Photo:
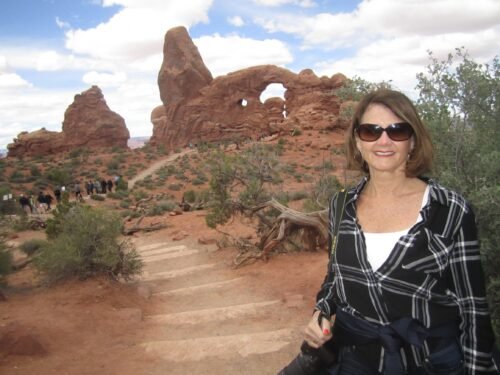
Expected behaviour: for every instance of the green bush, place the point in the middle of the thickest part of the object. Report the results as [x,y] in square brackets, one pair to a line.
[459,101]
[322,191]
[86,244]
[97,197]
[118,194]
[35,171]
[5,261]
[140,194]
[121,184]
[125,203]
[161,207]
[175,187]
[30,247]
[189,196]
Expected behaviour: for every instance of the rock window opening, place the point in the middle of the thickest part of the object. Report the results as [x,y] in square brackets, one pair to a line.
[274,90]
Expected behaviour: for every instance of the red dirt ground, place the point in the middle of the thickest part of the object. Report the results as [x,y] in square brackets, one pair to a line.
[90,327]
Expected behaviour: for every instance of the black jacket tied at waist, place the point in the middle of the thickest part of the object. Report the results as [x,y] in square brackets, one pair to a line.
[351,330]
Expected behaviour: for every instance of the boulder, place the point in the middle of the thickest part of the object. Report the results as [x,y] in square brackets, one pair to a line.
[88,123]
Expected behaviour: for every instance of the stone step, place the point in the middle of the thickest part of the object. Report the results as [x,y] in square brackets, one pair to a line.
[179,262]
[147,276]
[214,314]
[216,273]
[141,248]
[195,289]
[169,255]
[161,250]
[239,345]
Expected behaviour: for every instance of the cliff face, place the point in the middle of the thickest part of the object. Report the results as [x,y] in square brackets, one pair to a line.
[197,108]
[88,122]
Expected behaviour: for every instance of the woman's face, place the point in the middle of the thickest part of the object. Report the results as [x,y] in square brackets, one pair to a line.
[383,155]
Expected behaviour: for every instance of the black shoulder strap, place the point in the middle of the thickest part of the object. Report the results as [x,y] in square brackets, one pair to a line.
[340,204]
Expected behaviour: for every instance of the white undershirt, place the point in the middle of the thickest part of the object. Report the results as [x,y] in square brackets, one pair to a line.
[380,245]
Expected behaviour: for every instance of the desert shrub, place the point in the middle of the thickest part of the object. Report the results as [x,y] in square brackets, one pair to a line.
[41,183]
[189,196]
[125,203]
[97,197]
[17,177]
[35,171]
[356,87]
[459,101]
[198,181]
[4,190]
[322,191]
[140,194]
[175,187]
[298,195]
[5,262]
[239,181]
[118,194]
[121,184]
[32,246]
[86,244]
[59,176]
[113,166]
[161,207]
[325,166]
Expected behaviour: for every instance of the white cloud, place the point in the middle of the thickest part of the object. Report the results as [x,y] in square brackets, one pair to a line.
[375,19]
[223,55]
[236,21]
[32,57]
[137,30]
[31,109]
[134,100]
[104,79]
[62,24]
[11,81]
[277,3]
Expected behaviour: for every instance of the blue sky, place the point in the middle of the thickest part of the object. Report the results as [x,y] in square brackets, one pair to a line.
[51,50]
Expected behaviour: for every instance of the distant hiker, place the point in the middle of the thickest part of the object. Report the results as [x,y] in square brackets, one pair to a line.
[25,204]
[78,192]
[33,204]
[89,186]
[97,187]
[42,204]
[57,193]
[48,200]
[104,185]
[110,185]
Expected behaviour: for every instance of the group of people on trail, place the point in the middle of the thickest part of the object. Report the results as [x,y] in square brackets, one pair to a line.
[39,205]
[43,201]
[99,187]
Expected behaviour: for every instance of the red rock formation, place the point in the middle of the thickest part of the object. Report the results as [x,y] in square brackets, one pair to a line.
[198,109]
[88,123]
[183,74]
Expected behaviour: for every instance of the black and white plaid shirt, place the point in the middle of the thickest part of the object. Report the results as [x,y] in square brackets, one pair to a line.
[433,274]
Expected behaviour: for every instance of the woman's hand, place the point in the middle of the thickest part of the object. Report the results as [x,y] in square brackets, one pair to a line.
[316,335]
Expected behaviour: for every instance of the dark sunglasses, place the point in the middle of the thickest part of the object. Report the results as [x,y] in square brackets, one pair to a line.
[401,131]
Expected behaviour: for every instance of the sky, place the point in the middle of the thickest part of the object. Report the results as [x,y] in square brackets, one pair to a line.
[51,50]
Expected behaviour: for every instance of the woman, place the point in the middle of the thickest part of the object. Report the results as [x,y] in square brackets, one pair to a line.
[405,285]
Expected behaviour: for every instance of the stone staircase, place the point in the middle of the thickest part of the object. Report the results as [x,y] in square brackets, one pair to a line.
[212,320]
